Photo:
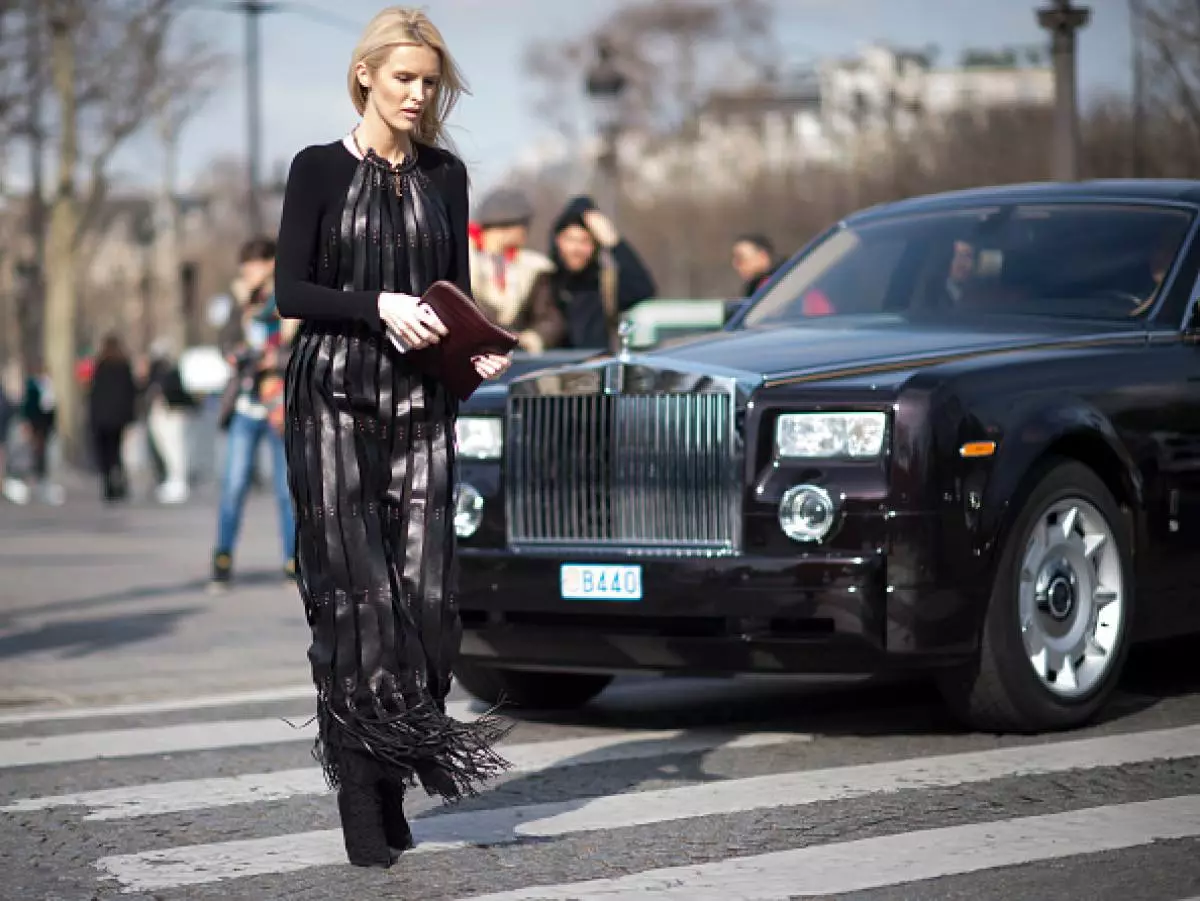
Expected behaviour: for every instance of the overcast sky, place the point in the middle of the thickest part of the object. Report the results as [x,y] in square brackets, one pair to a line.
[305,60]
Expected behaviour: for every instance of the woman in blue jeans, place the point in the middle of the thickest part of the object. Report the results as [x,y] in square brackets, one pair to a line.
[258,355]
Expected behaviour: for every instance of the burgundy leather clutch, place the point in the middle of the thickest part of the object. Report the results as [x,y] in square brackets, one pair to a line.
[470,333]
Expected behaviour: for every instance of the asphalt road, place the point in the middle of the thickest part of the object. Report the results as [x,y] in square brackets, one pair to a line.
[154,744]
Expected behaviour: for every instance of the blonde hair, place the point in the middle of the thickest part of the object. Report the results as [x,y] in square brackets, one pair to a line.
[397,26]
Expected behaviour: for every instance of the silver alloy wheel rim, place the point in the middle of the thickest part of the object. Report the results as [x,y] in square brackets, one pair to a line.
[1072,598]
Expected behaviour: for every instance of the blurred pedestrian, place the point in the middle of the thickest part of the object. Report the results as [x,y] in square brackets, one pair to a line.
[370,441]
[112,401]
[12,485]
[510,281]
[753,257]
[253,347]
[39,410]
[6,417]
[597,275]
[168,409]
[141,449]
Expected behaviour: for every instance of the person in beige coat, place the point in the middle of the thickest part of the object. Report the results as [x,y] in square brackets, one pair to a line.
[510,282]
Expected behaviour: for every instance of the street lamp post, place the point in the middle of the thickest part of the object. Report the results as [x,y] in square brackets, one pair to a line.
[253,11]
[1062,20]
[605,87]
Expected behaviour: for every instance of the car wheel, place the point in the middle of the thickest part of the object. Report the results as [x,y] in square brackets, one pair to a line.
[1056,632]
[528,688]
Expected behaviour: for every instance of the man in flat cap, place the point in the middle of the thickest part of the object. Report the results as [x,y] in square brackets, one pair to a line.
[511,282]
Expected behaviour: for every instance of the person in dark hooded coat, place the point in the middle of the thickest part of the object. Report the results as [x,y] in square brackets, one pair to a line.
[597,276]
[111,408]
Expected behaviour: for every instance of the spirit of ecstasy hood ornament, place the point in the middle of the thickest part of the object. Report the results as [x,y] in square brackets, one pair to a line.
[624,337]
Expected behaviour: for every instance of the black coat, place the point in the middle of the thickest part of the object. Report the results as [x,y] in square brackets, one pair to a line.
[166,379]
[113,399]
[591,323]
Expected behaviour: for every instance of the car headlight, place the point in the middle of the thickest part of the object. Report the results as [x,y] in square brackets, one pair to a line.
[468,510]
[479,437]
[806,513]
[824,435]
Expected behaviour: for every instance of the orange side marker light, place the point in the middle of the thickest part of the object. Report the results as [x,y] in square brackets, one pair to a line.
[977,449]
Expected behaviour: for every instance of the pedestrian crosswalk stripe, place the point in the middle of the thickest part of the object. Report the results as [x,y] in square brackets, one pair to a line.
[160,869]
[114,743]
[197,794]
[233,699]
[874,863]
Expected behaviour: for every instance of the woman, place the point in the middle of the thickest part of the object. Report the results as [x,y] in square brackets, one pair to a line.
[369,222]
[598,275]
[111,408]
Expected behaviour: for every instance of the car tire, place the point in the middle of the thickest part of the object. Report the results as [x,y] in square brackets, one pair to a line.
[1013,685]
[531,689]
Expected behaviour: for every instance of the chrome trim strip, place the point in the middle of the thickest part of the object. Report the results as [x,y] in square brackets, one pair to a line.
[609,549]
[887,364]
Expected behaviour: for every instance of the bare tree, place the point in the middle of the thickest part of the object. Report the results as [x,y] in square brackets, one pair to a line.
[792,203]
[12,83]
[65,20]
[656,44]
[1171,34]
[110,64]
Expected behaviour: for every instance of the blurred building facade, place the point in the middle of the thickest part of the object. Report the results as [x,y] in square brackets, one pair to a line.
[127,283]
[839,112]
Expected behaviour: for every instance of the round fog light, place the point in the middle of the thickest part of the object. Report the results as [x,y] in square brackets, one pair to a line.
[806,513]
[468,510]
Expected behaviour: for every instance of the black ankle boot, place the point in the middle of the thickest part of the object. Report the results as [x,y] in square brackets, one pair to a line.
[395,824]
[361,808]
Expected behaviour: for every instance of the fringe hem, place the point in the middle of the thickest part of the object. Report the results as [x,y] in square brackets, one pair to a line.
[448,758]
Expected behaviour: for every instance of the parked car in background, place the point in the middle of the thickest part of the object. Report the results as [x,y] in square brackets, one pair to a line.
[983,462]
[654,322]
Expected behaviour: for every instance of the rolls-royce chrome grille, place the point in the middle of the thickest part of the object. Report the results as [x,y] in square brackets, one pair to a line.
[642,472]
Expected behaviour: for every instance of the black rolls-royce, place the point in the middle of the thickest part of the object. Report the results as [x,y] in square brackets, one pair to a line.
[958,432]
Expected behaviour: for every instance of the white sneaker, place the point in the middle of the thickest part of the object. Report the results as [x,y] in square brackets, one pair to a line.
[172,492]
[16,491]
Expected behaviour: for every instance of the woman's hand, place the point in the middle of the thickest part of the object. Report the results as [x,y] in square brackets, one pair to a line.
[490,366]
[602,228]
[411,321]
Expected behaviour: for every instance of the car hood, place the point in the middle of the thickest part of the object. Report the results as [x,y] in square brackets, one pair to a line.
[883,348]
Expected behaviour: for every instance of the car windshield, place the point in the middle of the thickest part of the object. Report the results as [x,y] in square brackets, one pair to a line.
[1080,260]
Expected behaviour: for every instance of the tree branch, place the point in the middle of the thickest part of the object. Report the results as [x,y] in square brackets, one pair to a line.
[656,44]
[165,81]
[1172,33]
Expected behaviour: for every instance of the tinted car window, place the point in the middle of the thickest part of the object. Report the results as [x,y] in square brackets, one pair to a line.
[1076,260]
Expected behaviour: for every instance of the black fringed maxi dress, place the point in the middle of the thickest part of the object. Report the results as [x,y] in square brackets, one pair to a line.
[370,450]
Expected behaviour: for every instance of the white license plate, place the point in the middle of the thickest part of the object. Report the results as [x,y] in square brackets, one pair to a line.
[588,582]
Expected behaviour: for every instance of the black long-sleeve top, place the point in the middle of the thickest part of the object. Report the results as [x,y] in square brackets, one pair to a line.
[316,190]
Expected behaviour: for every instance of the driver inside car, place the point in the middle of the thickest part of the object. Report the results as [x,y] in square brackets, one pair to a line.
[1157,266]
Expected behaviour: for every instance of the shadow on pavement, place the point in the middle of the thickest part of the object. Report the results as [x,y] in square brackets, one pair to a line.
[248,579]
[1154,672]
[69,559]
[876,706]
[868,708]
[82,638]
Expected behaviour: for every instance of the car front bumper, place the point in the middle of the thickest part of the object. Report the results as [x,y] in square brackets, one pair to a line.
[813,612]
